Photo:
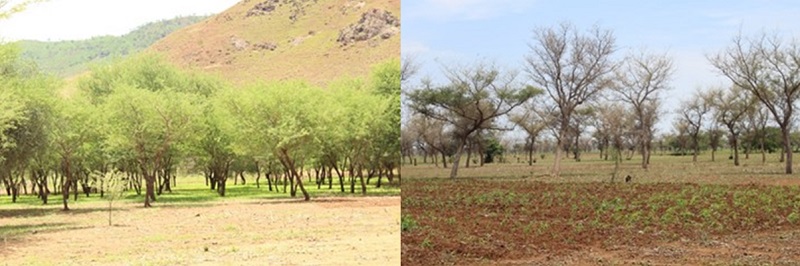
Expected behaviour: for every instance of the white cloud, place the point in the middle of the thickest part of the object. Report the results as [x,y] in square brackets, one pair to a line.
[414,48]
[466,9]
[80,19]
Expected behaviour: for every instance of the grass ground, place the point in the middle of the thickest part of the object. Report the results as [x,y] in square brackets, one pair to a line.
[194,226]
[676,213]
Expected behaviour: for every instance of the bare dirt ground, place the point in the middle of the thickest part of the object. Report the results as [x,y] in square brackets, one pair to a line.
[676,213]
[325,231]
[772,248]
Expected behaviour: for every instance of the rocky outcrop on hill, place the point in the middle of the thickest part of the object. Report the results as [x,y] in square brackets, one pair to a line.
[263,8]
[373,23]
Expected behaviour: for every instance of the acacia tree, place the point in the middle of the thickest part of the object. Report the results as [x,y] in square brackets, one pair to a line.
[278,119]
[730,109]
[25,124]
[386,85]
[766,67]
[692,114]
[432,137]
[475,97]
[573,68]
[76,126]
[532,123]
[151,124]
[640,81]
[370,138]
[215,150]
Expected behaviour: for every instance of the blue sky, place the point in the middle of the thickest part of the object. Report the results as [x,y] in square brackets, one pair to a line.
[440,32]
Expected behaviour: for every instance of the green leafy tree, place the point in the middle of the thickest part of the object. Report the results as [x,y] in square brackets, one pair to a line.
[471,102]
[278,119]
[152,125]
[75,128]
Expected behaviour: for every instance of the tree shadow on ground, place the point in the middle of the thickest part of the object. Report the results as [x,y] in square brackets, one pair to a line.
[300,200]
[20,230]
[37,212]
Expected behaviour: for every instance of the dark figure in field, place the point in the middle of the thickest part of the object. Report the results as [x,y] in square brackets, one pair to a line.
[628,179]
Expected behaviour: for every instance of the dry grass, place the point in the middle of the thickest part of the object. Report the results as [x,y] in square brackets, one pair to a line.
[663,168]
[300,54]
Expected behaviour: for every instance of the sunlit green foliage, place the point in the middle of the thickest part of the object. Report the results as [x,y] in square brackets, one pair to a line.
[146,118]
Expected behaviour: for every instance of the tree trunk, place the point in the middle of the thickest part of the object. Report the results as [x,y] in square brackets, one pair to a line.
[645,154]
[783,155]
[75,189]
[444,161]
[557,160]
[456,159]
[149,180]
[363,185]
[787,146]
[530,155]
[14,193]
[258,176]
[617,161]
[763,151]
[735,150]
[269,181]
[747,152]
[65,193]
[469,155]
[696,146]
[352,180]
[341,178]
[296,176]
[713,152]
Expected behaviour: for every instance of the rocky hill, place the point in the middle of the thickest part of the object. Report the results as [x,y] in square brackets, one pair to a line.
[314,40]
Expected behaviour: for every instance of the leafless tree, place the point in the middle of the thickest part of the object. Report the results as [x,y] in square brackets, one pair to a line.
[756,125]
[693,113]
[409,66]
[769,68]
[577,126]
[432,136]
[614,122]
[573,68]
[640,81]
[407,141]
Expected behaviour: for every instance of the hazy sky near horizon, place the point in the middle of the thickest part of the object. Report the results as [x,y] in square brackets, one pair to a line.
[444,32]
[81,19]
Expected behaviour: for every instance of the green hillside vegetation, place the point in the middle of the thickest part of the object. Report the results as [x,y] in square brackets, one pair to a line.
[68,58]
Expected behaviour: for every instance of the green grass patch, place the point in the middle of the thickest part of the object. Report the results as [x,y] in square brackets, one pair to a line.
[193,190]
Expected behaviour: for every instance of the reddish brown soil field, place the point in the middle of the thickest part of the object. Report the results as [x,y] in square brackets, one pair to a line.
[513,222]
[325,231]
